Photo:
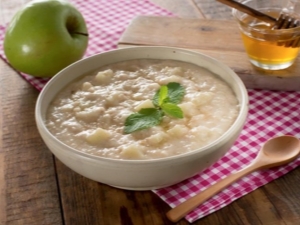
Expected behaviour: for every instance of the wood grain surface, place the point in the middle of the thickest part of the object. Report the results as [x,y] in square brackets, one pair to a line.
[211,9]
[28,187]
[181,8]
[2,161]
[37,189]
[217,38]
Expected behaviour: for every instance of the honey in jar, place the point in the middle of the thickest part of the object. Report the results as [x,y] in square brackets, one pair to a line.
[265,46]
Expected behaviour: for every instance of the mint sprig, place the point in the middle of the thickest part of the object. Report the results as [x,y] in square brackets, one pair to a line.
[172,110]
[165,101]
[175,94]
[145,118]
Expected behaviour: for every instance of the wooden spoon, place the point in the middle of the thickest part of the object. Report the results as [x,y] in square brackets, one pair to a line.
[275,152]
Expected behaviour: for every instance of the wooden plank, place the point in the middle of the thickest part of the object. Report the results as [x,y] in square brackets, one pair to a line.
[28,187]
[181,8]
[211,9]
[184,33]
[219,39]
[88,202]
[2,173]
[2,188]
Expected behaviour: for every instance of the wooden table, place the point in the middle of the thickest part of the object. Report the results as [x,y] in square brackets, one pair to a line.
[36,188]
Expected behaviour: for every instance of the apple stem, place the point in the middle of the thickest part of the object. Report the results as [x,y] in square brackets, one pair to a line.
[84,34]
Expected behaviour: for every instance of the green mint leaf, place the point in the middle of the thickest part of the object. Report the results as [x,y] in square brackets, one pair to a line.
[172,110]
[165,100]
[175,92]
[155,99]
[145,118]
[163,95]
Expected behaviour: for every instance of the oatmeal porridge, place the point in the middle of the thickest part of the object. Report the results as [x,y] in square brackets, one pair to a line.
[89,114]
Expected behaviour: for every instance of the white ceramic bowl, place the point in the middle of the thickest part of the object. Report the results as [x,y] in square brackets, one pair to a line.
[140,174]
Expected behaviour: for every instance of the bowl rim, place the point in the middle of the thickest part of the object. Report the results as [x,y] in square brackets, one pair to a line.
[238,123]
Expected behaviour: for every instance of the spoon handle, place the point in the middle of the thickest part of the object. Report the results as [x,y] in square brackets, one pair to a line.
[184,208]
[250,11]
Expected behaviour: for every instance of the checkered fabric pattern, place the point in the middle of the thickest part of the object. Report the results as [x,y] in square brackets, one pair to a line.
[271,113]
[106,21]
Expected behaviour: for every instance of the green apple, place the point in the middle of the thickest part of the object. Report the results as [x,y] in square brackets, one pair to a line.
[44,37]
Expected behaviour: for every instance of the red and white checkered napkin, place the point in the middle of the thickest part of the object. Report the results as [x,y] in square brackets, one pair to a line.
[271,113]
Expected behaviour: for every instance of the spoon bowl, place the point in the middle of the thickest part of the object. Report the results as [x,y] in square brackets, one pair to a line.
[275,152]
[281,148]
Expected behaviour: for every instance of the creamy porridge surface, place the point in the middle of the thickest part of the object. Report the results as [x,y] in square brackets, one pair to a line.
[89,114]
